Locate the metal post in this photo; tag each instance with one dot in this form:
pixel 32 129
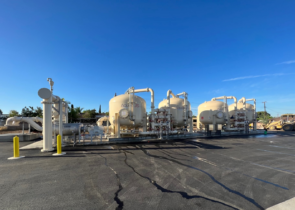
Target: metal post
pixel 161 130
pixel 23 128
pixel 144 122
pixel 191 125
pixel 15 149
pixel 58 147
pixel 60 120
pixel 29 128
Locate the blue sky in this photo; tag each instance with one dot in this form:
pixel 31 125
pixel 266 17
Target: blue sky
pixel 94 49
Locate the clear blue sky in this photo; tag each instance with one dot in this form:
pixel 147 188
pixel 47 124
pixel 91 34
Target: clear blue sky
pixel 94 49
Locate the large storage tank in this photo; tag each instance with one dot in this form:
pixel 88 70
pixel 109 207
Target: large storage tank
pixel 249 110
pixel 208 109
pixel 120 104
pixel 177 110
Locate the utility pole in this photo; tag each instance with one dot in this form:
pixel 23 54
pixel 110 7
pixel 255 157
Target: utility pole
pixel 264 109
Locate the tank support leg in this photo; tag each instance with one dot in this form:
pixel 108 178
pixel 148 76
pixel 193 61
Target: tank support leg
pixel 117 125
pixel 208 132
pixel 190 125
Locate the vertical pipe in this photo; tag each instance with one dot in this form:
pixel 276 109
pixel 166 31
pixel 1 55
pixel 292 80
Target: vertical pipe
pixel 107 126
pixel 226 112
pixel 47 125
pixel 161 130
pixel 117 126
pixel 144 122
pixel 66 113
pixel 191 125
pixel 23 128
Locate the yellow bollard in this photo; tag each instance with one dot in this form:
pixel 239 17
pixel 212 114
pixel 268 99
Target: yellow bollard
pixel 58 147
pixel 15 149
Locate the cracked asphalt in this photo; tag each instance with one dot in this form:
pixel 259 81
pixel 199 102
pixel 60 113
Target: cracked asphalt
pixel 253 172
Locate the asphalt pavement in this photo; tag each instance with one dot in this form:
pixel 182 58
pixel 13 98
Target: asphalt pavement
pixel 251 172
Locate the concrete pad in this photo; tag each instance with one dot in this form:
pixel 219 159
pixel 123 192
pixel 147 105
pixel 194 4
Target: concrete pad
pixel 25 137
pixel 286 205
pixel 35 145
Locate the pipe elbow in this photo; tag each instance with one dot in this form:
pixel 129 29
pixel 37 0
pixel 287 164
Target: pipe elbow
pixel 152 97
pixel 243 99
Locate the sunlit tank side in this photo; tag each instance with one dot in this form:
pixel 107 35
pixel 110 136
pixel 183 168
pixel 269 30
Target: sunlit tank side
pixel 176 110
pixel 240 107
pixel 120 104
pixel 209 109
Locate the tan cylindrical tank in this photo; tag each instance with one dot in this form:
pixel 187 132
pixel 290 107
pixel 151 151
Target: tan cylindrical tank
pixel 121 103
pixel 249 110
pixel 177 110
pixel 207 110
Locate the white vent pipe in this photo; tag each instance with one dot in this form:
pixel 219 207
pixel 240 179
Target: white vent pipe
pixel 152 99
pixel 184 94
pixel 144 90
pixel 226 107
pixel 169 92
pixel 254 117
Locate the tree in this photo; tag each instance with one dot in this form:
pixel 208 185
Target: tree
pixel 265 119
pixel 1 113
pixel 39 112
pixel 79 109
pixel 99 112
pixel 74 113
pixel 263 115
pixel 13 113
pixel 31 112
pixel 89 113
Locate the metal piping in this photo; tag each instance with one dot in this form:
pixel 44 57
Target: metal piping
pixel 29 120
pixel 225 108
pixel 254 124
pixel 144 90
pixel 152 99
pixel 185 103
pixel 228 97
pixel 243 99
pixel 169 92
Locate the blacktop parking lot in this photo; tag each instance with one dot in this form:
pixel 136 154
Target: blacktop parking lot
pixel 251 172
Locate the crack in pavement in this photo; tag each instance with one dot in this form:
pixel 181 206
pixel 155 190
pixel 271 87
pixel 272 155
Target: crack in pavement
pixel 183 194
pixel 212 177
pixel 116 198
